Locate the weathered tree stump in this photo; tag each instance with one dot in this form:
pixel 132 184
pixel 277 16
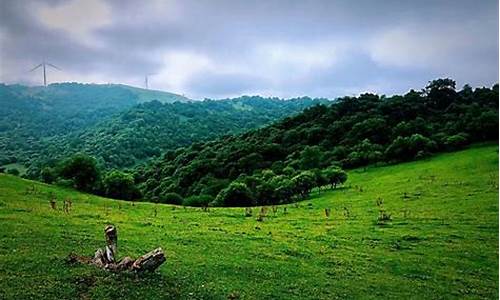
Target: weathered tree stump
pixel 106 258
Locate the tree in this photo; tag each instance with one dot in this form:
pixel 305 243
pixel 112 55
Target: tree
pixel 335 175
pixel 236 194
pixel 171 198
pixel 120 185
pixel 198 200
pixel 82 170
pixel 13 171
pixel 456 141
pixel 284 188
pixel 441 92
pixel 48 175
pixel 310 157
pixel 304 182
pixel 406 148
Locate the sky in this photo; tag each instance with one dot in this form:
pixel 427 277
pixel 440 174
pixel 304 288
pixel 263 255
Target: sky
pixel 227 48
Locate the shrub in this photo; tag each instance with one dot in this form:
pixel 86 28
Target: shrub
pixel 120 185
pixel 14 172
pixel 236 194
pixel 304 182
pixel 198 200
pixel 456 141
pixel 171 198
pixel 49 175
pixel 82 169
pixel 334 176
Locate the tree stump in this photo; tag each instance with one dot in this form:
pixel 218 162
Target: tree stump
pixel 106 258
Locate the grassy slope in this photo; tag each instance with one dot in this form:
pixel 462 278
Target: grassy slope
pixel 442 241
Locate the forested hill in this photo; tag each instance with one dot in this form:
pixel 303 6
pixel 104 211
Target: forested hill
pixel 148 129
pixel 28 115
pixel 354 131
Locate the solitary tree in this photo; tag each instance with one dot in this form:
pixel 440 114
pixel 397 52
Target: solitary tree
pixel 335 176
pixel 304 182
pixel 120 185
pixel 82 169
pixel 236 194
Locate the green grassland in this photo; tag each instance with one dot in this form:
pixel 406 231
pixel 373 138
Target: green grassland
pixel 442 241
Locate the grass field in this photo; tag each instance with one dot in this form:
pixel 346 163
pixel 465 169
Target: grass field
pixel 442 241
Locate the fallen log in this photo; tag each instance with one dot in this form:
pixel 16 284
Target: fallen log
pixel 106 259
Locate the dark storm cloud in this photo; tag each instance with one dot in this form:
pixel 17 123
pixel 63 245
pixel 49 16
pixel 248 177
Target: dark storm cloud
pixel 225 48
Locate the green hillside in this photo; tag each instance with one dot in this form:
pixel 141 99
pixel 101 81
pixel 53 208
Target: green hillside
pixel 30 115
pixel 120 125
pixel 351 132
pixel 440 241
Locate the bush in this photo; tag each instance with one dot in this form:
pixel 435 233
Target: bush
pixel 236 194
pixel 407 148
pixel 120 185
pixel 456 141
pixel 198 200
pixel 334 176
pixel 83 170
pixel 48 175
pixel 14 172
pixel 304 182
pixel 171 198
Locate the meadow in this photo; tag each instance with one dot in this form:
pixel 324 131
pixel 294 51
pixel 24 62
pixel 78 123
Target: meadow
pixel 424 229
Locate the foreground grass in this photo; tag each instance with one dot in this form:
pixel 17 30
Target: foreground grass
pixel 442 241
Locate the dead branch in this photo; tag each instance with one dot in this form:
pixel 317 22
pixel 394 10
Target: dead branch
pixel 106 259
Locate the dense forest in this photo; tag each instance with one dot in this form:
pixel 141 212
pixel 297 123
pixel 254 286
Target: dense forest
pixel 148 129
pixel 31 115
pixel 279 163
pixel 284 161
pixel 116 125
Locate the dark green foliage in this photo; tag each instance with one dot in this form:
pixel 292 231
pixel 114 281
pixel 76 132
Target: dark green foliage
pixel 171 198
pixel 334 176
pixel 82 170
pixel 48 175
pixel 120 185
pixel 13 171
pixel 351 132
pixel 304 182
pixel 38 123
pixel 406 148
pixel 457 141
pixel 198 200
pixel 236 194
pixel 116 125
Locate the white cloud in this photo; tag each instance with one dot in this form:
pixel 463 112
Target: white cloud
pixel 285 60
pixel 178 68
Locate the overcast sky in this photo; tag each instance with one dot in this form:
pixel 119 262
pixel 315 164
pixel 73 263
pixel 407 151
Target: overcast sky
pixel 218 48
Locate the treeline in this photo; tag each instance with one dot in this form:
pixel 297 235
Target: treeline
pixel 83 173
pixel 253 168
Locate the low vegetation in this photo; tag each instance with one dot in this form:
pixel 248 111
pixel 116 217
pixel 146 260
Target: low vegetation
pixel 424 229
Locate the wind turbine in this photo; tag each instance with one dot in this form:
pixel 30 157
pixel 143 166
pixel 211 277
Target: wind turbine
pixel 44 64
pixel 146 82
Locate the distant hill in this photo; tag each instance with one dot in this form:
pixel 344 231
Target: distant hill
pixel 120 125
pixel 150 128
pixel 144 95
pixel 30 115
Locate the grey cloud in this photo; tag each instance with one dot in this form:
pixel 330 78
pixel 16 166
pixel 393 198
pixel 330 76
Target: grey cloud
pixel 227 33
